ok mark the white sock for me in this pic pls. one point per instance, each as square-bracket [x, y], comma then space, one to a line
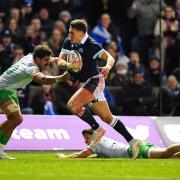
[1, 147]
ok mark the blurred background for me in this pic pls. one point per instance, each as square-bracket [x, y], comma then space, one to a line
[142, 35]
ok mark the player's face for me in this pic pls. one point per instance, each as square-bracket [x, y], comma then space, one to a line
[43, 62]
[87, 138]
[75, 35]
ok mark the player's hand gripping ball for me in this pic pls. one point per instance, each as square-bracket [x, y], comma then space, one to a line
[75, 61]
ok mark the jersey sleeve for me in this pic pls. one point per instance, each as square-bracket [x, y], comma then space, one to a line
[97, 50]
[66, 46]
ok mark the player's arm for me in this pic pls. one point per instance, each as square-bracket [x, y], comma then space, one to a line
[46, 79]
[82, 154]
[60, 61]
[105, 56]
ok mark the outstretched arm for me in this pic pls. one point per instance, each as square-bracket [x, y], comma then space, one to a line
[82, 154]
[46, 79]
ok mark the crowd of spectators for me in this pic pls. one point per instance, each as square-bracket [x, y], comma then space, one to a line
[142, 35]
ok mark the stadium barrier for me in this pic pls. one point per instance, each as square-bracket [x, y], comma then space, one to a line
[60, 132]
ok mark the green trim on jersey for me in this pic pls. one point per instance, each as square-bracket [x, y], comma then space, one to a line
[144, 148]
[8, 95]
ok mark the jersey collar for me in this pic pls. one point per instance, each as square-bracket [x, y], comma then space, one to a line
[84, 38]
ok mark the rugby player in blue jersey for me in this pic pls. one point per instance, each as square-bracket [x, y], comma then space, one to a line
[93, 82]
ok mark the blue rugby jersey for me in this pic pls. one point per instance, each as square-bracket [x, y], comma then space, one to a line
[90, 51]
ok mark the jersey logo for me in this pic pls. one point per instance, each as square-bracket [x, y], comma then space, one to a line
[80, 50]
[12, 69]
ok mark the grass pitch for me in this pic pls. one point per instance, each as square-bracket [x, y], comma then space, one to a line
[44, 165]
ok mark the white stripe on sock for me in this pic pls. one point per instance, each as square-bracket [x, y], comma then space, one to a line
[113, 122]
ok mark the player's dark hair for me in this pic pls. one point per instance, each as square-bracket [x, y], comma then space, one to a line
[41, 51]
[87, 131]
[80, 25]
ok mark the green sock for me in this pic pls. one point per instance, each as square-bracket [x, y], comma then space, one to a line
[3, 138]
[1, 133]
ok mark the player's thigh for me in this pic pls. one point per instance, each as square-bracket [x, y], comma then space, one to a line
[12, 110]
[157, 152]
[101, 108]
[81, 97]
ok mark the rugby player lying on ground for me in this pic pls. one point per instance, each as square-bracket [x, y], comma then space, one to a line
[109, 148]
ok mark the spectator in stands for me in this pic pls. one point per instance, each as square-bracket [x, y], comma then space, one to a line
[146, 13]
[177, 10]
[4, 10]
[27, 14]
[135, 64]
[42, 102]
[7, 48]
[173, 55]
[4, 60]
[60, 26]
[15, 14]
[7, 42]
[29, 40]
[37, 27]
[18, 53]
[23, 96]
[15, 30]
[171, 97]
[112, 48]
[46, 22]
[169, 27]
[56, 6]
[154, 71]
[137, 98]
[65, 16]
[55, 41]
[105, 32]
[121, 77]
[155, 50]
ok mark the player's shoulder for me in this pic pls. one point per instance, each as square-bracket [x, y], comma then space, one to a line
[92, 41]
[66, 45]
[94, 46]
[27, 63]
[27, 59]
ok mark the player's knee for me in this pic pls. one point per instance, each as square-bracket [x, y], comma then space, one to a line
[19, 121]
[75, 108]
[72, 107]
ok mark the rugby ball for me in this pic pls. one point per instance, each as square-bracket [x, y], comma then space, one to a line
[75, 57]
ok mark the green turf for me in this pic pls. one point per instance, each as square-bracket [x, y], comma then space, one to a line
[44, 165]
